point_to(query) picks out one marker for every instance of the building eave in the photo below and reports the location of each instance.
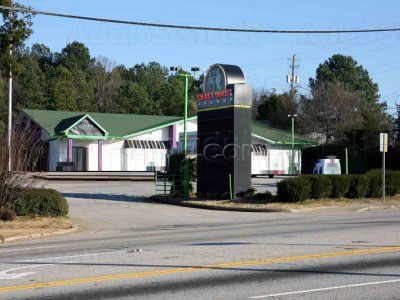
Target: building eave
(131, 135)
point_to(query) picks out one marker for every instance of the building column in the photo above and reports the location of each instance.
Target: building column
(100, 155)
(173, 132)
(69, 150)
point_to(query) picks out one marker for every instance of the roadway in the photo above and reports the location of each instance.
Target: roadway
(129, 248)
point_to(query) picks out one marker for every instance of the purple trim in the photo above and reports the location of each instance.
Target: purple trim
(173, 132)
(100, 155)
(69, 150)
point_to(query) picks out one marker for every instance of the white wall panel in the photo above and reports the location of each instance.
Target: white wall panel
(113, 156)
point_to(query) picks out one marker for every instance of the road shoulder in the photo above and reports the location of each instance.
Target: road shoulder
(25, 228)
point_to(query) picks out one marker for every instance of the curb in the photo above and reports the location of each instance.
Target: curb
(355, 207)
(214, 207)
(37, 235)
(366, 208)
(379, 208)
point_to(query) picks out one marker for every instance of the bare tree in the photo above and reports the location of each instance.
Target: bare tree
(27, 150)
(331, 111)
(107, 82)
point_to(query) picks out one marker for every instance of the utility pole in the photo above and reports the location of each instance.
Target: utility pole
(10, 90)
(293, 78)
(9, 132)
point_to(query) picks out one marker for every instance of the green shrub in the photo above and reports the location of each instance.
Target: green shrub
(375, 183)
(295, 189)
(176, 172)
(265, 197)
(340, 185)
(41, 202)
(321, 186)
(393, 183)
(246, 194)
(8, 215)
(358, 186)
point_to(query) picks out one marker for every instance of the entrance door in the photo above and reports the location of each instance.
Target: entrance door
(79, 158)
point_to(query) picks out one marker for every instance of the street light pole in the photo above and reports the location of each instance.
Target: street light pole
(292, 155)
(185, 118)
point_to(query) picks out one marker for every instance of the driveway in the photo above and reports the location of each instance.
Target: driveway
(121, 205)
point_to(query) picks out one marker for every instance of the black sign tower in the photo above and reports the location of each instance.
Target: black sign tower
(224, 134)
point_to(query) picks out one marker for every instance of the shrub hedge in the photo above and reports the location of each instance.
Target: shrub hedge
(393, 183)
(295, 189)
(41, 202)
(375, 183)
(359, 186)
(369, 185)
(340, 185)
(321, 187)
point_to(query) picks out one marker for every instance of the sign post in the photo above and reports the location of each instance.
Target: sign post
(224, 134)
(383, 148)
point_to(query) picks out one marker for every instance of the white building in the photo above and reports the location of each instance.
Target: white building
(122, 142)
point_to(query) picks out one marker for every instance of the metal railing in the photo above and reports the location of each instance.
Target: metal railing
(171, 185)
(166, 184)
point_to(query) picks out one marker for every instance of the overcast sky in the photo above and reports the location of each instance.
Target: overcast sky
(263, 57)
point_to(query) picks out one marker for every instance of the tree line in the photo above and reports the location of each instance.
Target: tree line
(342, 105)
(73, 80)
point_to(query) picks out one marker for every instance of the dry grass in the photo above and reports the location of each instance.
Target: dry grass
(27, 225)
(294, 206)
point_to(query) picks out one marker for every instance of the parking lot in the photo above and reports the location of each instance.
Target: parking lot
(124, 190)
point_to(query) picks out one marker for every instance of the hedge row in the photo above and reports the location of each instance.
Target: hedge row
(41, 202)
(368, 185)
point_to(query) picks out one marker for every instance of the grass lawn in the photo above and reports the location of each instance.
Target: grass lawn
(28, 225)
(267, 205)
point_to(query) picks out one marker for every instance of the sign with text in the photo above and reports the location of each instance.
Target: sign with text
(215, 99)
(383, 142)
(224, 135)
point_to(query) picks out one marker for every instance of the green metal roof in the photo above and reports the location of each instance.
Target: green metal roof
(117, 125)
(126, 125)
(275, 135)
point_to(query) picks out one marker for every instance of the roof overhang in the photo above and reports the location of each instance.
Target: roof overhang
(65, 132)
(156, 128)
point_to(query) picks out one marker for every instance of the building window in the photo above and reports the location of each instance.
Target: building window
(141, 144)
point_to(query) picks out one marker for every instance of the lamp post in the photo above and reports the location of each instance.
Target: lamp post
(179, 72)
(292, 156)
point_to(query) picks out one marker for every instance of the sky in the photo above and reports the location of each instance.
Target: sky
(262, 57)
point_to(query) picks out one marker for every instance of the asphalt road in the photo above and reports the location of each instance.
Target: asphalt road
(130, 249)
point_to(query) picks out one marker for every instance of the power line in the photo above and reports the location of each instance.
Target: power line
(313, 52)
(186, 27)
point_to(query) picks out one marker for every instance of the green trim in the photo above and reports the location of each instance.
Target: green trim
(52, 138)
(85, 137)
(263, 138)
(282, 143)
(155, 128)
(84, 117)
(296, 143)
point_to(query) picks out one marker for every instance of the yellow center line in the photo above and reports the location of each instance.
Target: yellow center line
(196, 269)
